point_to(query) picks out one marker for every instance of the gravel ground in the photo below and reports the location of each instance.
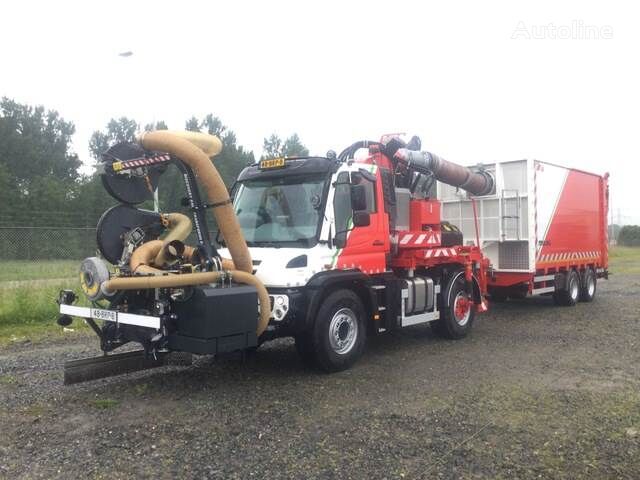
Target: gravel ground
(536, 391)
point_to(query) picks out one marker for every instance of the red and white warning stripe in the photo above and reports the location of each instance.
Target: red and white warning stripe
(564, 256)
(141, 162)
(419, 239)
(440, 252)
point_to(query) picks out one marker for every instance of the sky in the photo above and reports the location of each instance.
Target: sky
(477, 81)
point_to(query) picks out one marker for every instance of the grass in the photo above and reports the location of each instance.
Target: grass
(28, 312)
(104, 403)
(624, 260)
(20, 270)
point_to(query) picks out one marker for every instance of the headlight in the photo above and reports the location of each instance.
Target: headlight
(280, 307)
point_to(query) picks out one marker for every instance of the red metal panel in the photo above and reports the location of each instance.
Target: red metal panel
(424, 212)
(575, 234)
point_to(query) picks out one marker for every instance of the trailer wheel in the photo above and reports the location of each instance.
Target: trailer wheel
(588, 286)
(568, 296)
(457, 311)
(339, 332)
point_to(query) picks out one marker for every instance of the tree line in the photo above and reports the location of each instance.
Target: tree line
(40, 178)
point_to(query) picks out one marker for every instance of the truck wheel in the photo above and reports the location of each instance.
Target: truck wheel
(339, 332)
(568, 296)
(457, 311)
(588, 287)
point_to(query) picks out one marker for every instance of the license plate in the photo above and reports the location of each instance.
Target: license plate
(108, 315)
(272, 163)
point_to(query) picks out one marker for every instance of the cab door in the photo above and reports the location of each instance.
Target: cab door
(362, 225)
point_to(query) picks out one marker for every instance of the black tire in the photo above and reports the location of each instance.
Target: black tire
(568, 297)
(588, 286)
(455, 320)
(339, 332)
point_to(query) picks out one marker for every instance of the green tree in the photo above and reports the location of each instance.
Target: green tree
(35, 142)
(192, 125)
(159, 125)
(629, 236)
(118, 130)
(274, 147)
(38, 169)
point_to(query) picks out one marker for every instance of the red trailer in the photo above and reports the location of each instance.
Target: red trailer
(544, 229)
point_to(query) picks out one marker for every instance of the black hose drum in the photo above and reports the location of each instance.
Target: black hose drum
(215, 320)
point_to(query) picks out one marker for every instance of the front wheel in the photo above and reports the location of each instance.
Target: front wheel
(457, 311)
(339, 332)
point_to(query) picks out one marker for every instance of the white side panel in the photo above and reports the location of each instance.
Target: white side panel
(531, 215)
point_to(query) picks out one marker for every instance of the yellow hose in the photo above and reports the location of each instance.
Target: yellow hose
(190, 147)
(143, 256)
(188, 279)
(179, 229)
(194, 149)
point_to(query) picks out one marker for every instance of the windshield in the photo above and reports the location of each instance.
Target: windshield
(283, 211)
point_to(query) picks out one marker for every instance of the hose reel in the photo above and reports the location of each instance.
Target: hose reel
(131, 185)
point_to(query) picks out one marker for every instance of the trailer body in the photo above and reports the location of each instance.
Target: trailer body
(542, 220)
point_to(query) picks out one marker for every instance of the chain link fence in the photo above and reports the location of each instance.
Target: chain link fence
(48, 235)
(47, 243)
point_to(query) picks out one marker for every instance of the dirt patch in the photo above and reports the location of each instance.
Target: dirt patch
(536, 391)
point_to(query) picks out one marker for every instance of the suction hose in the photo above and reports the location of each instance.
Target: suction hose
(179, 229)
(194, 148)
(477, 183)
(188, 279)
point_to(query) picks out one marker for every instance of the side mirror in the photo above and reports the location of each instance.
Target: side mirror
(358, 197)
(361, 219)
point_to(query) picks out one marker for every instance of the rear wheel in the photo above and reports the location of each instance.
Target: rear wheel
(569, 295)
(339, 332)
(588, 286)
(457, 311)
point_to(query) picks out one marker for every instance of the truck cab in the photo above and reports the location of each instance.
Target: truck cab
(326, 239)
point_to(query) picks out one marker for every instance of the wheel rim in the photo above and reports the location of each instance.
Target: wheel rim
(591, 285)
(573, 288)
(343, 331)
(461, 309)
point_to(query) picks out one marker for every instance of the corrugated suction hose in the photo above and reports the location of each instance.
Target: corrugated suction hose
(179, 229)
(190, 147)
(194, 149)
